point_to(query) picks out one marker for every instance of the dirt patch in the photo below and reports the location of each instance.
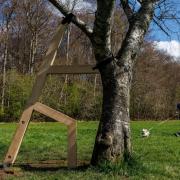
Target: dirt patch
(10, 172)
(2, 174)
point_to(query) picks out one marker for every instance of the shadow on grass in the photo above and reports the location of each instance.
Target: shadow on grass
(53, 165)
(131, 167)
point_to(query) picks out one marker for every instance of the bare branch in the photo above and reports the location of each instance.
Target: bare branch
(160, 26)
(139, 1)
(127, 9)
(102, 28)
(79, 23)
(135, 34)
(166, 10)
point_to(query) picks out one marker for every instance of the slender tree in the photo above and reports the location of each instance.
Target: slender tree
(31, 20)
(8, 10)
(113, 137)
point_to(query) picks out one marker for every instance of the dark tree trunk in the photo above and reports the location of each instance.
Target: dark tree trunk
(113, 136)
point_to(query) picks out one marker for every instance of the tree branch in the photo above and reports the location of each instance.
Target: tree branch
(139, 1)
(160, 26)
(79, 23)
(102, 29)
(135, 34)
(127, 9)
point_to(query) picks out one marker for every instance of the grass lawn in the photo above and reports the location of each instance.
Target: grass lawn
(156, 157)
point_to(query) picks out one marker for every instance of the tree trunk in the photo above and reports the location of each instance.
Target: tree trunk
(95, 84)
(67, 62)
(113, 136)
(4, 77)
(33, 49)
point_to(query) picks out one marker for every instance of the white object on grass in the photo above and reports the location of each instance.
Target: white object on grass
(145, 133)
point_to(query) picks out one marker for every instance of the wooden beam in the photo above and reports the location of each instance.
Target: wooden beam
(47, 63)
(37, 89)
(74, 69)
(71, 123)
(22, 127)
(36, 92)
(18, 137)
(56, 115)
(72, 146)
(52, 50)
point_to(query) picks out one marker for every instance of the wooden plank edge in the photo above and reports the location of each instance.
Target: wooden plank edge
(54, 114)
(74, 69)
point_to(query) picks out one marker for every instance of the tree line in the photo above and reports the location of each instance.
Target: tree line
(25, 32)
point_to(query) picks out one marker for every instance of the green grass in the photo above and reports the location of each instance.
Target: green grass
(156, 157)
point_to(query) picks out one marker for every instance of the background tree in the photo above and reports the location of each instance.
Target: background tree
(154, 85)
(6, 25)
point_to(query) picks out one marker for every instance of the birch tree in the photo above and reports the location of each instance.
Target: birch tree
(35, 19)
(8, 10)
(112, 141)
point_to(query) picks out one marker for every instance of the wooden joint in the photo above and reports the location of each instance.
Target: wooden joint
(68, 18)
(104, 62)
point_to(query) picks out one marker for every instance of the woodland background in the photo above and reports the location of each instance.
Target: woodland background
(26, 28)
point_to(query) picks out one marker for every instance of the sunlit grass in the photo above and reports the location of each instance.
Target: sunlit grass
(156, 157)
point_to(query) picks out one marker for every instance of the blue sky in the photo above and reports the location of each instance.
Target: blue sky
(173, 26)
(168, 44)
(158, 35)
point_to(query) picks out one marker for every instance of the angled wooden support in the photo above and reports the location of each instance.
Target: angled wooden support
(52, 50)
(46, 68)
(18, 137)
(71, 124)
(36, 92)
(56, 115)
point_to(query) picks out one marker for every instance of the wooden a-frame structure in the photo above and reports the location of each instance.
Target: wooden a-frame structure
(47, 68)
